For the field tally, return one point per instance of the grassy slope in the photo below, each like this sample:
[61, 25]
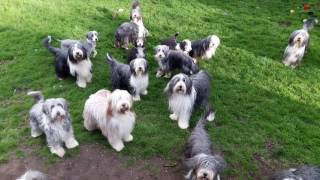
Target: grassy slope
[266, 114]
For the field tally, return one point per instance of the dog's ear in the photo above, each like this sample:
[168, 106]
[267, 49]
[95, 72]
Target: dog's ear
[70, 55]
[65, 104]
[109, 109]
[188, 83]
[132, 70]
[221, 163]
[46, 109]
[84, 51]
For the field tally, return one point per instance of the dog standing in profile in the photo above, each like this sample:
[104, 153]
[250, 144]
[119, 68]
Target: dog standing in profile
[298, 44]
[301, 173]
[204, 48]
[52, 118]
[187, 93]
[73, 61]
[133, 77]
[110, 112]
[90, 43]
[170, 60]
[201, 161]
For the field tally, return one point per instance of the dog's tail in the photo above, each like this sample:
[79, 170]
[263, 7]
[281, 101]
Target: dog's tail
[46, 44]
[208, 116]
[135, 4]
[31, 174]
[110, 60]
[56, 39]
[37, 95]
[308, 24]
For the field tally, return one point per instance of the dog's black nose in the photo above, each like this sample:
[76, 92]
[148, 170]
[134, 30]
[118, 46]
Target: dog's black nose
[77, 53]
[180, 87]
[140, 68]
[205, 174]
[58, 114]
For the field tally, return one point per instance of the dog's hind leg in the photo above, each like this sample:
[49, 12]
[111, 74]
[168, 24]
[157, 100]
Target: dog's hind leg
[35, 130]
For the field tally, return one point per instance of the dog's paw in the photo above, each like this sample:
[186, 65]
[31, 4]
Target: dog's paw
[71, 143]
[82, 84]
[58, 151]
[174, 117]
[118, 146]
[129, 138]
[183, 124]
[159, 74]
[136, 98]
[145, 92]
[35, 134]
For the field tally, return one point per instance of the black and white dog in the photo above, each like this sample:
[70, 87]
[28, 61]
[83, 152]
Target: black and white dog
[136, 52]
[90, 43]
[128, 33]
[170, 60]
[73, 61]
[201, 161]
[52, 118]
[298, 44]
[133, 77]
[204, 48]
[184, 46]
[301, 173]
[187, 93]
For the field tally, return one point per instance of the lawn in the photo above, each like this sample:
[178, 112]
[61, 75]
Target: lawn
[268, 115]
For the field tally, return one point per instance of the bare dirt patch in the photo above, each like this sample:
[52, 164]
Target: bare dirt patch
[94, 163]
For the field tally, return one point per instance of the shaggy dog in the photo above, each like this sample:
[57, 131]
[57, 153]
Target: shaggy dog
[112, 114]
[52, 118]
[128, 33]
[73, 61]
[184, 46]
[302, 173]
[186, 93]
[133, 77]
[136, 52]
[298, 44]
[33, 175]
[204, 48]
[90, 43]
[135, 15]
[200, 159]
[170, 60]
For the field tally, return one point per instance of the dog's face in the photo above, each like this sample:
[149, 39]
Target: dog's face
[205, 174]
[56, 109]
[179, 84]
[77, 53]
[121, 102]
[139, 42]
[214, 41]
[138, 66]
[136, 15]
[185, 46]
[299, 40]
[92, 36]
[161, 51]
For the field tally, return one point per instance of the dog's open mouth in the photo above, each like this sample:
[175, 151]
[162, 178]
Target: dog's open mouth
[123, 110]
[60, 117]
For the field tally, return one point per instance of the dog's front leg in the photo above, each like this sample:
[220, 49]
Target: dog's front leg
[115, 141]
[54, 144]
[128, 138]
[81, 81]
[136, 97]
[94, 53]
[71, 142]
[183, 120]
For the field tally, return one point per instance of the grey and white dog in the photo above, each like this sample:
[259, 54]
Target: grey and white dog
[200, 159]
[187, 93]
[136, 52]
[133, 77]
[170, 60]
[301, 173]
[298, 44]
[135, 14]
[128, 33]
[33, 175]
[204, 48]
[52, 118]
[90, 43]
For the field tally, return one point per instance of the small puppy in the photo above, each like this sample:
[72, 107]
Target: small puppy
[298, 44]
[186, 93]
[200, 159]
[302, 173]
[170, 60]
[204, 48]
[136, 52]
[52, 118]
[133, 77]
[33, 175]
[73, 61]
[90, 43]
[171, 41]
[128, 33]
[112, 114]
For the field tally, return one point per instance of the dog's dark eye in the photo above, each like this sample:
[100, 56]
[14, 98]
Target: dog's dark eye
[184, 80]
[60, 105]
[52, 106]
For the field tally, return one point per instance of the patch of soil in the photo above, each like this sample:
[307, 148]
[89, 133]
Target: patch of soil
[94, 163]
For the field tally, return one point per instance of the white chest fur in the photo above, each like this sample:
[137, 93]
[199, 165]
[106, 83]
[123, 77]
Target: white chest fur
[124, 124]
[139, 83]
[82, 68]
[182, 104]
[295, 53]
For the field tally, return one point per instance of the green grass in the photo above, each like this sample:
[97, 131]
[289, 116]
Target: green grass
[264, 110]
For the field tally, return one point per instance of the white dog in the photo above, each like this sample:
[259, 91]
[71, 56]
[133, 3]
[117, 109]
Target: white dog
[111, 112]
